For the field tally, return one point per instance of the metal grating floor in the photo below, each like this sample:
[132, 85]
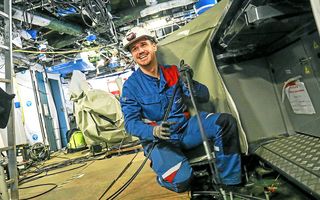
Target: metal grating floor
[297, 157]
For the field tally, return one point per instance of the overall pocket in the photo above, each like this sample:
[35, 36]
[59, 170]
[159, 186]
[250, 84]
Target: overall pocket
[151, 106]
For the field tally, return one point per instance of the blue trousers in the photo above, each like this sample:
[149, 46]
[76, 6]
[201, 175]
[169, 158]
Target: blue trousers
[171, 165]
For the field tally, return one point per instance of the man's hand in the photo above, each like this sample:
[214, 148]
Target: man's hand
[184, 70]
[163, 131]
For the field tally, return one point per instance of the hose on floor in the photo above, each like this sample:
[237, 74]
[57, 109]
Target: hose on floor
[39, 185]
[121, 173]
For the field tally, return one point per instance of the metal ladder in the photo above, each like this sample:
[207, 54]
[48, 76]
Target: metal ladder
[8, 80]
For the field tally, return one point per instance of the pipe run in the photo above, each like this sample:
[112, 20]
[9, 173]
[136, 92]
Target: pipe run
[48, 22]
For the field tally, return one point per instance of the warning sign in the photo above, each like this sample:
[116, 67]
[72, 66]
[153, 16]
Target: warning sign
[299, 98]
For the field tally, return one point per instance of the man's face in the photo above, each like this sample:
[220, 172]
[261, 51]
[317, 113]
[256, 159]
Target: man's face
[143, 52]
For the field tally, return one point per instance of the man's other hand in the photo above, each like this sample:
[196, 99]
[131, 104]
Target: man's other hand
[163, 131]
[184, 70]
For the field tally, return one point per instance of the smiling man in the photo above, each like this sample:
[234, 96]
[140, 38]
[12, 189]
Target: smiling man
[144, 101]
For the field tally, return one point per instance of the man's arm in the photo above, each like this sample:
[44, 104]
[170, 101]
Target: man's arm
[132, 117]
[200, 91]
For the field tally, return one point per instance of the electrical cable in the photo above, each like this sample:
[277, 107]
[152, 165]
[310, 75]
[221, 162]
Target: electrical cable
[65, 163]
[54, 185]
[57, 166]
[53, 5]
[132, 3]
[29, 177]
[92, 8]
[25, 13]
[82, 15]
[124, 186]
[36, 177]
[121, 173]
[101, 18]
[32, 186]
[39, 152]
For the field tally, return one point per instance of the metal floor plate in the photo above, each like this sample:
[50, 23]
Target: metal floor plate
[296, 157]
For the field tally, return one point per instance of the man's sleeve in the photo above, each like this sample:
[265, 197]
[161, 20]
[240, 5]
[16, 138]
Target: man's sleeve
[132, 117]
[200, 91]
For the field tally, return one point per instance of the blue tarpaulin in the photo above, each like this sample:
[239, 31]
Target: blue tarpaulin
[68, 67]
[203, 5]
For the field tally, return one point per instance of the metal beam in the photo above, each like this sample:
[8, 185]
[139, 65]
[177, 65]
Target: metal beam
[12, 159]
[257, 13]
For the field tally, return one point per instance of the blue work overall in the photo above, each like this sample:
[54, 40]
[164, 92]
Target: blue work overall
[144, 102]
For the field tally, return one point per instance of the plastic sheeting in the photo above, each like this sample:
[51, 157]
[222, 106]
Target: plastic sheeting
[98, 113]
[192, 43]
[68, 67]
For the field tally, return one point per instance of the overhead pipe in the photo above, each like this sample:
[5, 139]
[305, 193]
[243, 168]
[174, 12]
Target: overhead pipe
[48, 22]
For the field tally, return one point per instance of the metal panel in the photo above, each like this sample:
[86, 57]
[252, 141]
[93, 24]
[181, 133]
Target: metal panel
[55, 90]
[251, 87]
[300, 59]
[256, 13]
[311, 44]
[46, 112]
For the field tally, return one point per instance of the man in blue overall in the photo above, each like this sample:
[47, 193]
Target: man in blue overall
[144, 101]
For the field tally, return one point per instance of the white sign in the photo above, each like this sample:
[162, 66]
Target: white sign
[299, 98]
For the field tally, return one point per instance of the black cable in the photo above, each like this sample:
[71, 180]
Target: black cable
[102, 20]
[28, 177]
[124, 186]
[166, 115]
[25, 14]
[121, 173]
[57, 166]
[32, 186]
[83, 5]
[65, 163]
[34, 177]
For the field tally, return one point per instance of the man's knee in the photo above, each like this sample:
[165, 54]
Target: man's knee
[178, 181]
[180, 184]
[229, 133]
[226, 119]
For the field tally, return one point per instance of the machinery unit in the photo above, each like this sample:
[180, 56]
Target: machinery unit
[268, 55]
